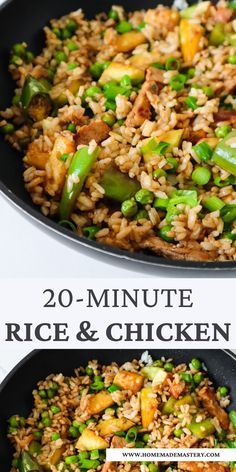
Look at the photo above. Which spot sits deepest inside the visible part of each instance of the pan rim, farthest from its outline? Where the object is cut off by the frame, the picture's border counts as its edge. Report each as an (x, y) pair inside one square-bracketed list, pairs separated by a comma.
[(140, 258)]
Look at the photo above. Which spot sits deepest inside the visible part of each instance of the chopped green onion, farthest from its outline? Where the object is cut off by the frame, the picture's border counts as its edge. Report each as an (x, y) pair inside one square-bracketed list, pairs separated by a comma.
[(72, 46), (64, 157), (222, 131), (232, 59), (174, 165), (131, 435), (157, 173), (161, 203), (71, 460), (71, 127), (228, 213), (69, 224), (55, 436), (209, 92), (72, 66), (159, 65), (213, 203), (141, 26), (172, 64), (201, 175), (203, 151), (7, 129), (91, 231), (178, 433), (191, 102), (177, 82)]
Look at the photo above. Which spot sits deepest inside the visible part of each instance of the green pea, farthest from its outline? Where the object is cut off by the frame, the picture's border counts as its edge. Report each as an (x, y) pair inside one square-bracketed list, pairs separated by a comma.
[(144, 196), (73, 432), (201, 175), (169, 366), (42, 393), (71, 127), (65, 33), (29, 57), (16, 100), (129, 208), (153, 467), (22, 421), (57, 32), (222, 131), (82, 427), (197, 378), (51, 393), (157, 173), (72, 25), (125, 81), (60, 56), (38, 434), (109, 119), (223, 391), (209, 92), (89, 371), (7, 129), (47, 422), (186, 377), (96, 70), (232, 417), (19, 50), (232, 59), (15, 60), (123, 27), (72, 66), (178, 433), (146, 437), (55, 436), (113, 15), (35, 448), (196, 364), (164, 233), (142, 215), (158, 363), (72, 46), (14, 421), (15, 463), (55, 409), (83, 455)]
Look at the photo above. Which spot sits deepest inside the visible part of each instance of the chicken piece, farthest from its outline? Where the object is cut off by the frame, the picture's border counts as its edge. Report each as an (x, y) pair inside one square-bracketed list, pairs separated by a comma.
[(187, 251), (225, 115), (177, 388), (118, 443), (155, 74), (209, 400), (202, 467), (195, 136), (36, 157), (223, 14), (109, 467), (97, 130), (55, 167), (163, 18)]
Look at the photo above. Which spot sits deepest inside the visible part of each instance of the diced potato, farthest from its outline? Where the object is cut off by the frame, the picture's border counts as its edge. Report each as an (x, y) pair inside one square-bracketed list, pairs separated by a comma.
[(128, 41), (35, 157), (111, 426), (172, 137), (143, 61), (197, 10), (117, 70), (100, 402), (160, 378), (62, 145), (149, 371), (55, 456), (89, 441), (148, 406), (129, 381), (60, 98), (190, 36), (211, 141)]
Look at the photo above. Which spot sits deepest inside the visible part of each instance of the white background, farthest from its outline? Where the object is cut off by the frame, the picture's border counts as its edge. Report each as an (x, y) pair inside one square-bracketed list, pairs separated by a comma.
[(27, 251)]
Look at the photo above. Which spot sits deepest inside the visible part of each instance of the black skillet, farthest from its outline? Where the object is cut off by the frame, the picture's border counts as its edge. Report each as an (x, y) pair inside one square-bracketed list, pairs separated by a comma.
[(15, 391), (23, 20)]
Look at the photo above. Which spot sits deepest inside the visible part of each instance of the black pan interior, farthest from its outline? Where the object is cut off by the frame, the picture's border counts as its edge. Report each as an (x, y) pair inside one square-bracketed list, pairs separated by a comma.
[(23, 20), (15, 391)]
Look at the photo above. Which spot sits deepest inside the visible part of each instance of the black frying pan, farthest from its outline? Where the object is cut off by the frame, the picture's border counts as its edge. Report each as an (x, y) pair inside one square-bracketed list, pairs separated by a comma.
[(15, 391), (23, 20)]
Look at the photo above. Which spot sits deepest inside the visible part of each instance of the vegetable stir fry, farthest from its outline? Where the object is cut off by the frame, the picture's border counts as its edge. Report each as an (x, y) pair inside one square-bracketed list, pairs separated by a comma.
[(127, 124), (143, 403)]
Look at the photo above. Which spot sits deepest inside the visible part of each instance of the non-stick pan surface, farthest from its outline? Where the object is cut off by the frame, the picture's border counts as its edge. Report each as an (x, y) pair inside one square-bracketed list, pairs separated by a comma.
[(23, 20), (16, 390)]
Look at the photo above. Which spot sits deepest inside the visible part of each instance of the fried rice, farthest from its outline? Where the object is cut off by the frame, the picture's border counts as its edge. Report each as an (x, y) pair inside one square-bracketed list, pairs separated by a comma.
[(150, 97), (142, 403)]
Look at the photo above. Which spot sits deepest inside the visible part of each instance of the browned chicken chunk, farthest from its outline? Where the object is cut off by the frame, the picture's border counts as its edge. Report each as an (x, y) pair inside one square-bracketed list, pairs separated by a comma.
[(187, 251), (97, 130), (177, 388), (209, 400)]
